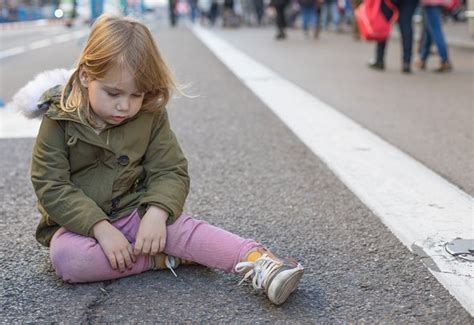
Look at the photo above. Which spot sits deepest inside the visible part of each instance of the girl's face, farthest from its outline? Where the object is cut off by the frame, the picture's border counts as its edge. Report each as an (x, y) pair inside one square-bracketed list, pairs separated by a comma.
[(114, 98)]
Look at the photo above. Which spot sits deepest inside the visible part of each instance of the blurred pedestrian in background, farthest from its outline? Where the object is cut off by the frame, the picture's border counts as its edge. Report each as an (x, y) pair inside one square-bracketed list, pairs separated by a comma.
[(229, 16), (172, 12), (280, 6), (406, 10), (330, 14), (259, 11), (208, 11), (433, 32), (355, 29), (193, 10), (248, 12), (308, 16)]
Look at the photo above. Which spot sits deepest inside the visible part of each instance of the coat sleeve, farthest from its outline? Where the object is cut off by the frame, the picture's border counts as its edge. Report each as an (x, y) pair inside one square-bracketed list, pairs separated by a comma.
[(65, 203), (167, 180)]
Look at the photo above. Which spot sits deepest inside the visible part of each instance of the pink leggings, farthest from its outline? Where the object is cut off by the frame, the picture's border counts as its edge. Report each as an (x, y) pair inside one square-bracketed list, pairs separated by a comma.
[(78, 258)]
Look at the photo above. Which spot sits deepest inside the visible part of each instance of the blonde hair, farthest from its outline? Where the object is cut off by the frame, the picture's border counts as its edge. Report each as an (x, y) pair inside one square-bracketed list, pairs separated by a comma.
[(129, 44)]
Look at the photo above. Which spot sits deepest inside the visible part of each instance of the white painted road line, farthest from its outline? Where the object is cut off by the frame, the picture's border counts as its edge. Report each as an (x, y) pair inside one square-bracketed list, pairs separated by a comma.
[(15, 125), (63, 38), (13, 51), (421, 208), (43, 43), (40, 44)]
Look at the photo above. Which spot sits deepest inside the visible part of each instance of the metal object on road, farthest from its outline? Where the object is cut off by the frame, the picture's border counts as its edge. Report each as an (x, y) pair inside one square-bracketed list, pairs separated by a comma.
[(462, 248)]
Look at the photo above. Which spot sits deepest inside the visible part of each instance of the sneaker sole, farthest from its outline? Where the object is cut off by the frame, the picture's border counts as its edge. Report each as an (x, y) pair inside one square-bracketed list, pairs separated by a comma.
[(284, 284)]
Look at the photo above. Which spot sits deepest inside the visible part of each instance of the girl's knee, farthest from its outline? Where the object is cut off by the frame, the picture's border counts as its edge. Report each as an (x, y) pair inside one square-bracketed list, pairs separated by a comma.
[(187, 223), (71, 261)]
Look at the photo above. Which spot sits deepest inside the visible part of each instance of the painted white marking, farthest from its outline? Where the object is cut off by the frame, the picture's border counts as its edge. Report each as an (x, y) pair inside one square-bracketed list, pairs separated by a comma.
[(43, 43), (63, 38), (421, 208), (11, 52), (80, 33), (15, 125), (40, 44)]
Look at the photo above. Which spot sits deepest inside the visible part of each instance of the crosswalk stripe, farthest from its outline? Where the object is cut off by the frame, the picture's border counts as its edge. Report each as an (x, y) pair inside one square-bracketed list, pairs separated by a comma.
[(421, 208), (42, 43), (13, 51)]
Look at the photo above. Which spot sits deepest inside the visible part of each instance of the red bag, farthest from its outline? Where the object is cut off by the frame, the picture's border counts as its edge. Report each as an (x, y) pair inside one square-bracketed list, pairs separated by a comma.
[(451, 5), (372, 23)]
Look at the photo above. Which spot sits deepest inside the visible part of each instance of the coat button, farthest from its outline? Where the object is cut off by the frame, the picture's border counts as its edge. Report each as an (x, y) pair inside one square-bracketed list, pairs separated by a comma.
[(113, 214), (115, 202), (123, 160)]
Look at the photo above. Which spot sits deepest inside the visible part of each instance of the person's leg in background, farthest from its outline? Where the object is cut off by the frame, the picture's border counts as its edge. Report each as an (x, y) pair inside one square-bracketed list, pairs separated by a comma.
[(172, 12), (325, 14), (308, 14), (280, 21), (406, 10), (355, 28), (425, 43), (305, 20), (259, 11), (213, 13), (378, 63), (318, 18), (433, 15), (335, 16)]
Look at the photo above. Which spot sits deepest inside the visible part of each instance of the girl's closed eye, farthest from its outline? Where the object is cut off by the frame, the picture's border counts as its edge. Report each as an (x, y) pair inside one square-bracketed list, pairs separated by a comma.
[(112, 94)]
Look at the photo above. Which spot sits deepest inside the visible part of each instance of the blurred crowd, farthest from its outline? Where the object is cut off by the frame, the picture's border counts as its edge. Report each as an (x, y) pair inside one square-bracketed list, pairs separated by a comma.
[(312, 17), (316, 16), (327, 14)]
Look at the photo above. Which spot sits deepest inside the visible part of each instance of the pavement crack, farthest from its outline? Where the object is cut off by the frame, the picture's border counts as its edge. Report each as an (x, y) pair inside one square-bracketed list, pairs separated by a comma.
[(95, 304), (428, 261), (457, 274)]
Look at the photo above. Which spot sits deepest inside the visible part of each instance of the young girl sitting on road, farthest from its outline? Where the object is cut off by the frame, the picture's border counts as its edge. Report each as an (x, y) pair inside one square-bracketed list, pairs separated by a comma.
[(111, 178)]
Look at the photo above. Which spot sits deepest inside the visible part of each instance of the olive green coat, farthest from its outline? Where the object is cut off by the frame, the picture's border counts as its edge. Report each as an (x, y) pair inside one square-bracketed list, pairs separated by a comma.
[(81, 177)]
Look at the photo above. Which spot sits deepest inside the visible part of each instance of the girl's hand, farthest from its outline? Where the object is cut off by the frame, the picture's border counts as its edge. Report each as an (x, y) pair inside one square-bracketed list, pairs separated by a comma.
[(116, 247), (151, 235)]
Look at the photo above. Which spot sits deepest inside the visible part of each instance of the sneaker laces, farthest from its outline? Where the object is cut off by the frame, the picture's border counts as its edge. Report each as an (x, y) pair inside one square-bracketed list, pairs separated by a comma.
[(262, 271), (171, 264)]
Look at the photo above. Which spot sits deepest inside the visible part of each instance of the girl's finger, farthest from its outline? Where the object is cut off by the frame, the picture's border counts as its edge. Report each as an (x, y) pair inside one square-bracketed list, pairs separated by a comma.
[(137, 250), (120, 261), (155, 247), (162, 243), (132, 255), (146, 247), (112, 261), (127, 259)]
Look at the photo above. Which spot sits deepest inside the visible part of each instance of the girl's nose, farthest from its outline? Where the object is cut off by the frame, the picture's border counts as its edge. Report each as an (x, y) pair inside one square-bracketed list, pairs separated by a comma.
[(123, 105)]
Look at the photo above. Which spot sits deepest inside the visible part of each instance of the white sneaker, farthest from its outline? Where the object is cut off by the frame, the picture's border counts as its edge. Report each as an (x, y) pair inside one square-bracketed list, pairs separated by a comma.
[(278, 278)]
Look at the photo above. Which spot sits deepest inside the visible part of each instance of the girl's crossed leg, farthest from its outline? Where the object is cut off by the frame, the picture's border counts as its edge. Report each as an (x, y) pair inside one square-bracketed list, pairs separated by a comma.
[(77, 258)]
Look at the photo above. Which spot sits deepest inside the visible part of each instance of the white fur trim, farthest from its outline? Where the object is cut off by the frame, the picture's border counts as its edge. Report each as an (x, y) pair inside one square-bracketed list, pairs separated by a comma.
[(26, 99)]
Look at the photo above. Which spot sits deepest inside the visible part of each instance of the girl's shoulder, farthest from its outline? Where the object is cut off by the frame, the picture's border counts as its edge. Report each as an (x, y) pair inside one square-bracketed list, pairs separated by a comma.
[(157, 115)]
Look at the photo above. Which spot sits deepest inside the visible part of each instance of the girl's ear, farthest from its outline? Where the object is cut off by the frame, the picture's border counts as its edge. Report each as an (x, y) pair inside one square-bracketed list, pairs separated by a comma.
[(83, 78)]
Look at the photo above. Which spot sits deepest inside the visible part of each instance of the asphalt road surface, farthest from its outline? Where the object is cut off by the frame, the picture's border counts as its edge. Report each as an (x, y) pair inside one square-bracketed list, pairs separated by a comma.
[(251, 175)]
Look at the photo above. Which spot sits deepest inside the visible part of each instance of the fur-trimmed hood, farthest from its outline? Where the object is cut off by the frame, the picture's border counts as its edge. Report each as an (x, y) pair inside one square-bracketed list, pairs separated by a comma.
[(27, 100)]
